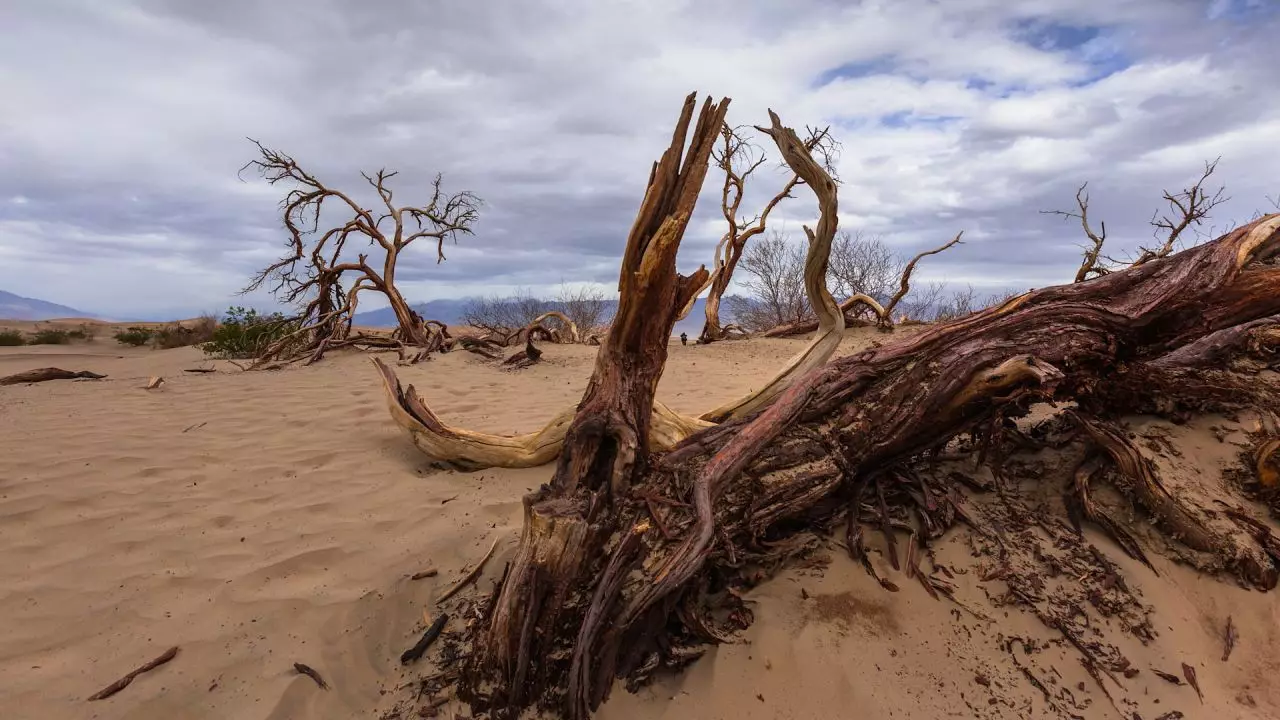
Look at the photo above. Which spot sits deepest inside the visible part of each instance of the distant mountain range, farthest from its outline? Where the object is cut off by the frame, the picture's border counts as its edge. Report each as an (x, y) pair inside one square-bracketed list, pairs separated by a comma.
[(450, 312), (16, 307)]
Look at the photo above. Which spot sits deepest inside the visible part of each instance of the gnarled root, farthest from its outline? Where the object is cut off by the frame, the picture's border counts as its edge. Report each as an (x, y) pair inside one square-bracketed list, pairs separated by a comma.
[(1186, 521)]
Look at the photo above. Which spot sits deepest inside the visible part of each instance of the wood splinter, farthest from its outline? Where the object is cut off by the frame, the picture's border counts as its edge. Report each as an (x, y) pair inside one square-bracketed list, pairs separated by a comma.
[(123, 682), (311, 672)]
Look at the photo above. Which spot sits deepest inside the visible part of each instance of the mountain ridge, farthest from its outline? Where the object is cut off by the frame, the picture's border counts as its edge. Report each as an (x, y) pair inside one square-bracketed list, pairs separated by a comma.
[(18, 307)]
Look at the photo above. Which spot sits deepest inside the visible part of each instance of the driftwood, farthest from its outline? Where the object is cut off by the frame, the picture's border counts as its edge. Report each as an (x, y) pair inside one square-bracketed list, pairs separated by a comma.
[(46, 374), (123, 682)]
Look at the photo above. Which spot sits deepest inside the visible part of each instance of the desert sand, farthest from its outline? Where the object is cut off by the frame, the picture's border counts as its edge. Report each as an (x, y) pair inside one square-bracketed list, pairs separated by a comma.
[(260, 519)]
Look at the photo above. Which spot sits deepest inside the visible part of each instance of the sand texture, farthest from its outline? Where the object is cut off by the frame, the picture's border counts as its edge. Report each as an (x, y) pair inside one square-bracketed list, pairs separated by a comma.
[(257, 520)]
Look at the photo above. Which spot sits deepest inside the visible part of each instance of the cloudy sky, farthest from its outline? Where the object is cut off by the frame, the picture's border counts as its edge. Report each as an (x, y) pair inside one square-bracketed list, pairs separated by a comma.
[(125, 124)]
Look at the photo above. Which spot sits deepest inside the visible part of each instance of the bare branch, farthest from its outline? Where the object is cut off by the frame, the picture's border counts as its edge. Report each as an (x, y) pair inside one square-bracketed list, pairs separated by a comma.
[(905, 284), (1188, 207), (1089, 264)]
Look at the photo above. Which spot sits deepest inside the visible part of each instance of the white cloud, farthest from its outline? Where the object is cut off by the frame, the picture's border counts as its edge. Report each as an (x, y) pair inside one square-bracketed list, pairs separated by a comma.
[(124, 139)]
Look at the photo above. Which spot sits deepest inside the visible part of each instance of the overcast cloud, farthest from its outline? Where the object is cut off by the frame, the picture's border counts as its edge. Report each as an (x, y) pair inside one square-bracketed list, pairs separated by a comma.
[(125, 123)]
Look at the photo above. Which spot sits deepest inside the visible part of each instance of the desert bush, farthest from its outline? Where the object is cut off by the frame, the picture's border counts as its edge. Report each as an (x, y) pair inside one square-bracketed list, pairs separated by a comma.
[(135, 336), (85, 332), (176, 335), (49, 336), (11, 338), (243, 333)]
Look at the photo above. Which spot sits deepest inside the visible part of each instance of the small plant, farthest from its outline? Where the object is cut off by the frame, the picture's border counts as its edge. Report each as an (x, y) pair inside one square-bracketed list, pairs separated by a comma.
[(49, 336), (11, 338), (243, 333), (135, 336), (84, 332)]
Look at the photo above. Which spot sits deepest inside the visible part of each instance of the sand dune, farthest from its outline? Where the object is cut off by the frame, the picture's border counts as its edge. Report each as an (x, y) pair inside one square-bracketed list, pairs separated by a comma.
[(262, 519)]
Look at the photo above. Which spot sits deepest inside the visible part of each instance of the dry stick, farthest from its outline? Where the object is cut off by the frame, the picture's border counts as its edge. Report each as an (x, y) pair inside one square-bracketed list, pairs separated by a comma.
[(123, 682), (423, 574), (470, 576), (433, 632), (1229, 639), (311, 672)]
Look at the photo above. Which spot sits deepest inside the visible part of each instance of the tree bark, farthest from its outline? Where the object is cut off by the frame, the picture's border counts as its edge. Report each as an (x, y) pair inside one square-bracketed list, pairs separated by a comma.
[(602, 588)]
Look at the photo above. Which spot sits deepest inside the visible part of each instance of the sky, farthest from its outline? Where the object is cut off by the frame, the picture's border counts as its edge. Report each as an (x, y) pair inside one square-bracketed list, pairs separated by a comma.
[(126, 123)]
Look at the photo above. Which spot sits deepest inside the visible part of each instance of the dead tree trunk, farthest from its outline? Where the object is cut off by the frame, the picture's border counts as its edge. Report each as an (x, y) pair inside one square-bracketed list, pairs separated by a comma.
[(568, 521), (604, 586)]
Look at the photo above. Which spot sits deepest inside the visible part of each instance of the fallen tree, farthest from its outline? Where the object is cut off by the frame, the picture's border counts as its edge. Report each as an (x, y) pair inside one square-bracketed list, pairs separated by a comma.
[(630, 562)]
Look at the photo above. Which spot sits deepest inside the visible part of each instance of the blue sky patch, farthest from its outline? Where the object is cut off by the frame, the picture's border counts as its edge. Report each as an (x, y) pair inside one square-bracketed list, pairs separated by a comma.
[(883, 65)]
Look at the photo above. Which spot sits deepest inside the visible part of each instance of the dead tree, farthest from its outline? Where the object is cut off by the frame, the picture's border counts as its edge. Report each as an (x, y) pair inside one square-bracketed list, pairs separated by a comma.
[(456, 447), (1188, 207), (312, 271), (738, 159), (604, 585), (1091, 262)]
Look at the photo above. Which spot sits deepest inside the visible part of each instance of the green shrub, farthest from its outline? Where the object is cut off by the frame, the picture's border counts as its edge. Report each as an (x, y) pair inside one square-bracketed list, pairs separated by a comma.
[(243, 333), (135, 336), (84, 332), (49, 336), (11, 338)]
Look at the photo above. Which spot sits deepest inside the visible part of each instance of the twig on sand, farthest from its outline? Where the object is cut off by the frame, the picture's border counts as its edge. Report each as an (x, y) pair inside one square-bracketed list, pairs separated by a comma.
[(200, 370), (1229, 639), (123, 682), (311, 672), (197, 426), (470, 576), (433, 632), (431, 572)]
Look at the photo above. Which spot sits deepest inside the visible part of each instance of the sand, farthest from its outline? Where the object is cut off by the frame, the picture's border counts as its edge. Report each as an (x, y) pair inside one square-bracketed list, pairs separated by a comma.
[(260, 519)]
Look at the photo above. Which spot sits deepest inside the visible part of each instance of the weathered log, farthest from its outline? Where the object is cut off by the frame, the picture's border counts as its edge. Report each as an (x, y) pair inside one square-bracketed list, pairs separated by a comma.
[(46, 374), (597, 591)]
